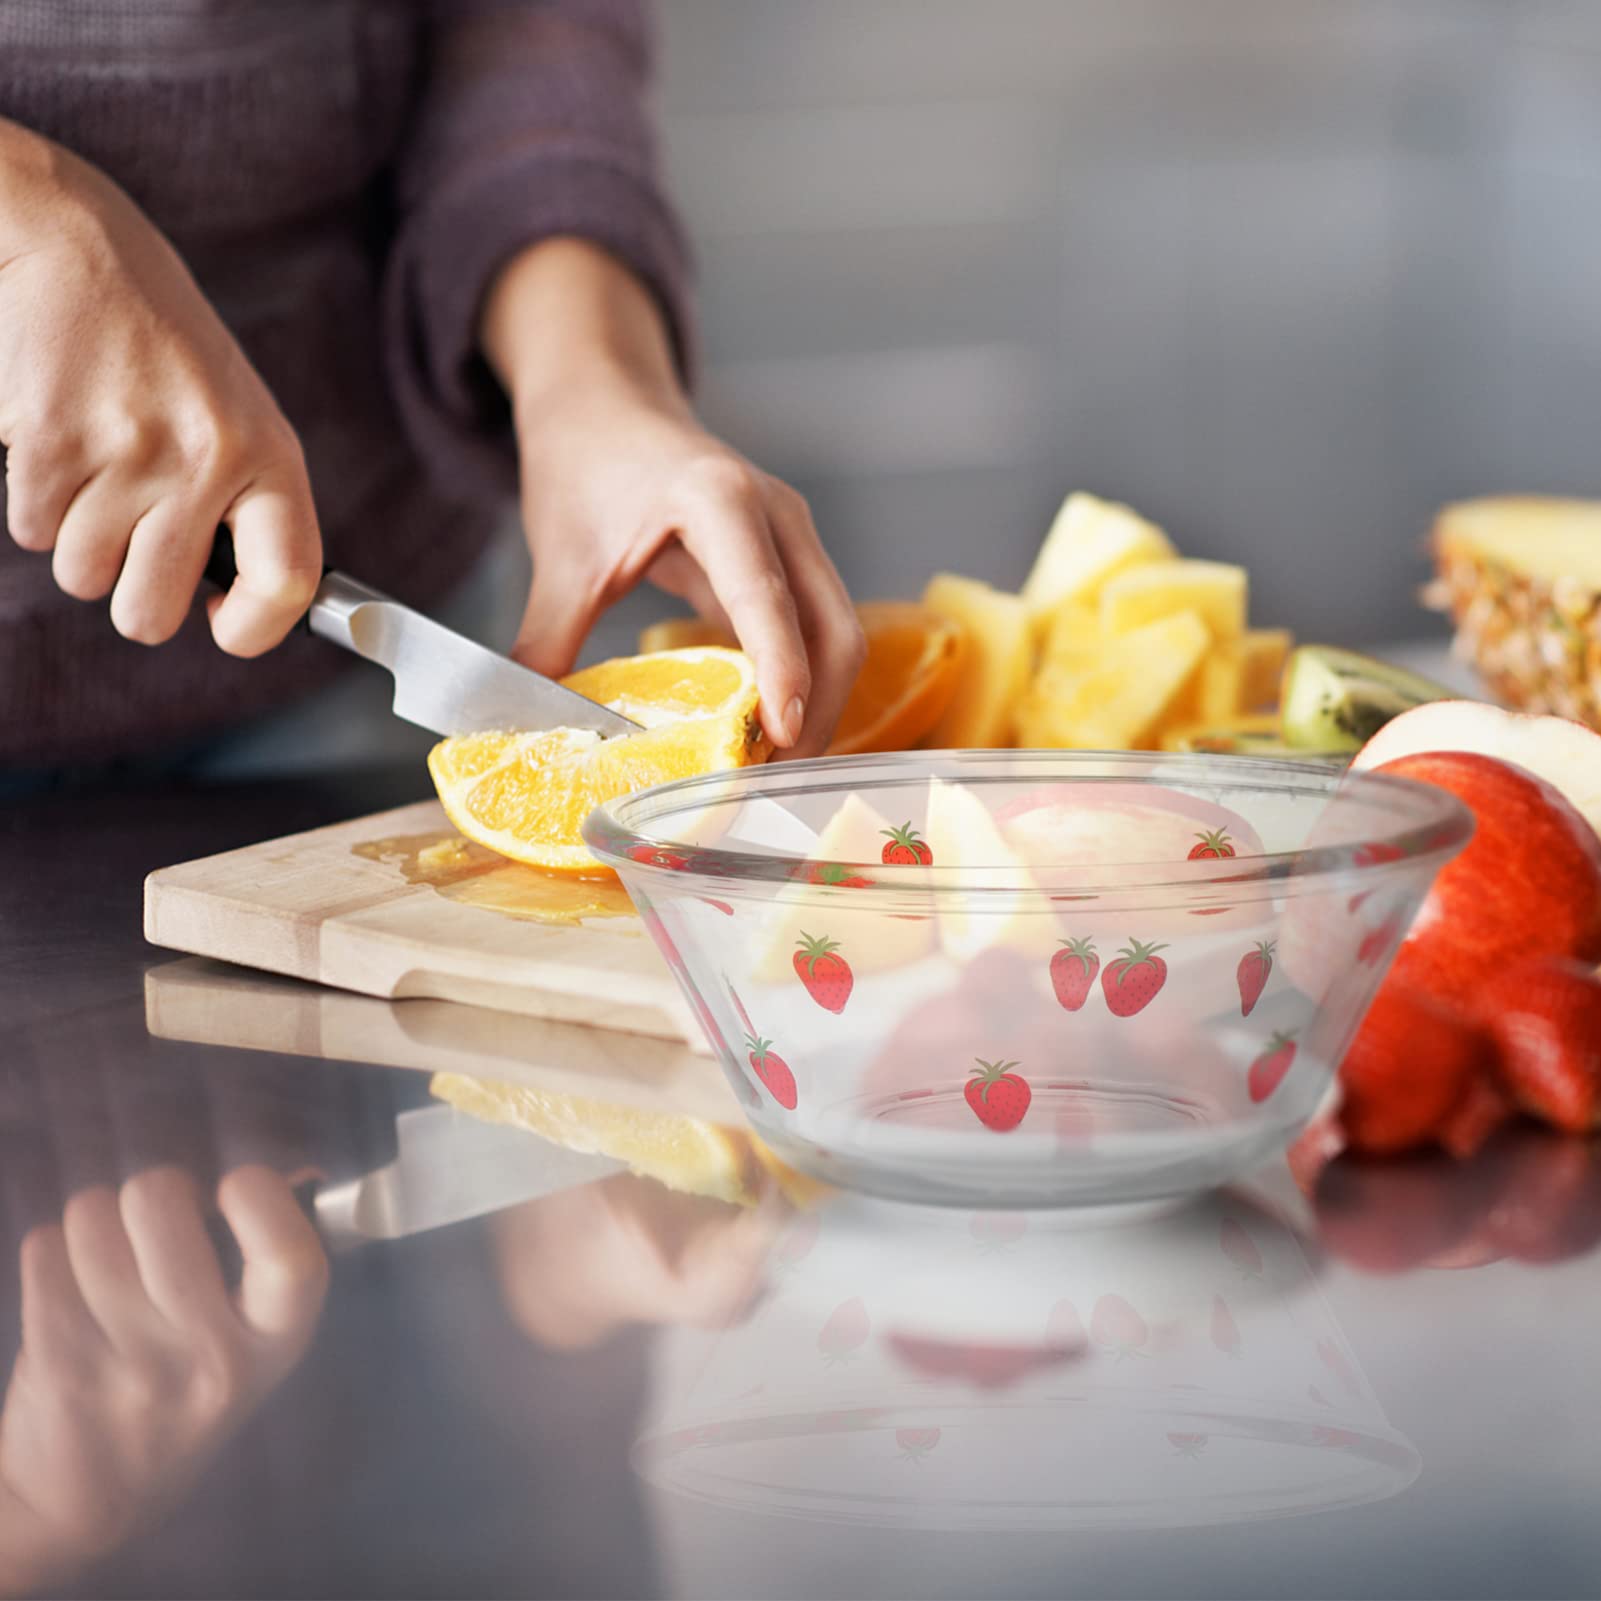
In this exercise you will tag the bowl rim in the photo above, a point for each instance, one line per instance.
(1437, 825)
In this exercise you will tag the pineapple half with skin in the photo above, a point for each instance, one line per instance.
(1521, 578)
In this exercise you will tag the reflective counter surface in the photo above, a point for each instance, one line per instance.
(282, 1320)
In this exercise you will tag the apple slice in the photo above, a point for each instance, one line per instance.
(963, 833)
(1567, 755)
(877, 941)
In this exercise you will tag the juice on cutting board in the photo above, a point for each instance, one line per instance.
(462, 871)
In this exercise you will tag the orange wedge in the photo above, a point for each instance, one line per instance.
(914, 657)
(526, 795)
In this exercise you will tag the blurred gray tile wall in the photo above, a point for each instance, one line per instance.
(1285, 274)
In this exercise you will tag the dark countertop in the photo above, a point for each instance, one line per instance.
(617, 1390)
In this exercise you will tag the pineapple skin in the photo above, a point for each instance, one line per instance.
(1535, 642)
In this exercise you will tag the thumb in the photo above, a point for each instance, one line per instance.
(557, 620)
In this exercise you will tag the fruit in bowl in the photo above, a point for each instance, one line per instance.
(978, 1069)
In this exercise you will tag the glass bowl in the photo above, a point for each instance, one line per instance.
(1119, 978)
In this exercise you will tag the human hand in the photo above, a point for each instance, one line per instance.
(621, 483)
(136, 1361)
(133, 423)
(577, 1265)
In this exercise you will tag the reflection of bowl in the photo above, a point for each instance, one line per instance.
(851, 1001)
(1014, 1370)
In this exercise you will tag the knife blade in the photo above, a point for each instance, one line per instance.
(443, 681)
(448, 1168)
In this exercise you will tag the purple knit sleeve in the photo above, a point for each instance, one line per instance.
(531, 122)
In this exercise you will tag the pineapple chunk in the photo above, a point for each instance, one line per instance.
(1118, 701)
(1090, 541)
(1213, 693)
(1264, 652)
(1000, 652)
(1214, 590)
(1073, 637)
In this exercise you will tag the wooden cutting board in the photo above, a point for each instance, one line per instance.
(383, 906)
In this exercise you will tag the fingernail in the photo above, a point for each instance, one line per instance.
(794, 718)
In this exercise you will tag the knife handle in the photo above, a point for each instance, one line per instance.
(222, 568)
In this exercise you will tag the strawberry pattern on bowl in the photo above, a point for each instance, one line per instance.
(1030, 978)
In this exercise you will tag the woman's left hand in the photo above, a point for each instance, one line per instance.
(620, 483)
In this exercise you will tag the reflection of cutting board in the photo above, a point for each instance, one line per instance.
(210, 1003)
(349, 906)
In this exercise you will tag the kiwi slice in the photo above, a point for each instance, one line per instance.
(1337, 700)
(1244, 742)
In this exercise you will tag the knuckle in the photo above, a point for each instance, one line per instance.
(719, 477)
(220, 1375)
(766, 588)
(132, 440)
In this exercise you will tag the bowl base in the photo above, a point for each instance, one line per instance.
(1081, 1144)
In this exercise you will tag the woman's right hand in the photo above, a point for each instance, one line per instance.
(133, 424)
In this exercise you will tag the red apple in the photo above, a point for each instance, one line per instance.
(1567, 755)
(1528, 884)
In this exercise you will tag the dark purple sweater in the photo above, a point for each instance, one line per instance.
(343, 177)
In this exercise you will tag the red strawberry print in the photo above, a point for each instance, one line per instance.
(1372, 856)
(984, 1366)
(652, 921)
(1268, 1070)
(1225, 1331)
(845, 1331)
(1255, 968)
(1116, 1326)
(1378, 940)
(1335, 1360)
(1190, 1445)
(1073, 970)
(825, 973)
(835, 875)
(998, 1096)
(906, 848)
(797, 1240)
(773, 1071)
(657, 856)
(739, 1006)
(1132, 982)
(997, 1231)
(1214, 843)
(1239, 1248)
(915, 1444)
(1335, 1439)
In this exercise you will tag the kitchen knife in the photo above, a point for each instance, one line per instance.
(443, 681)
(449, 1168)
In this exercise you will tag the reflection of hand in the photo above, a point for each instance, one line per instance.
(137, 1362)
(579, 1264)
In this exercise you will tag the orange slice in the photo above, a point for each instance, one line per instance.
(526, 795)
(914, 659)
